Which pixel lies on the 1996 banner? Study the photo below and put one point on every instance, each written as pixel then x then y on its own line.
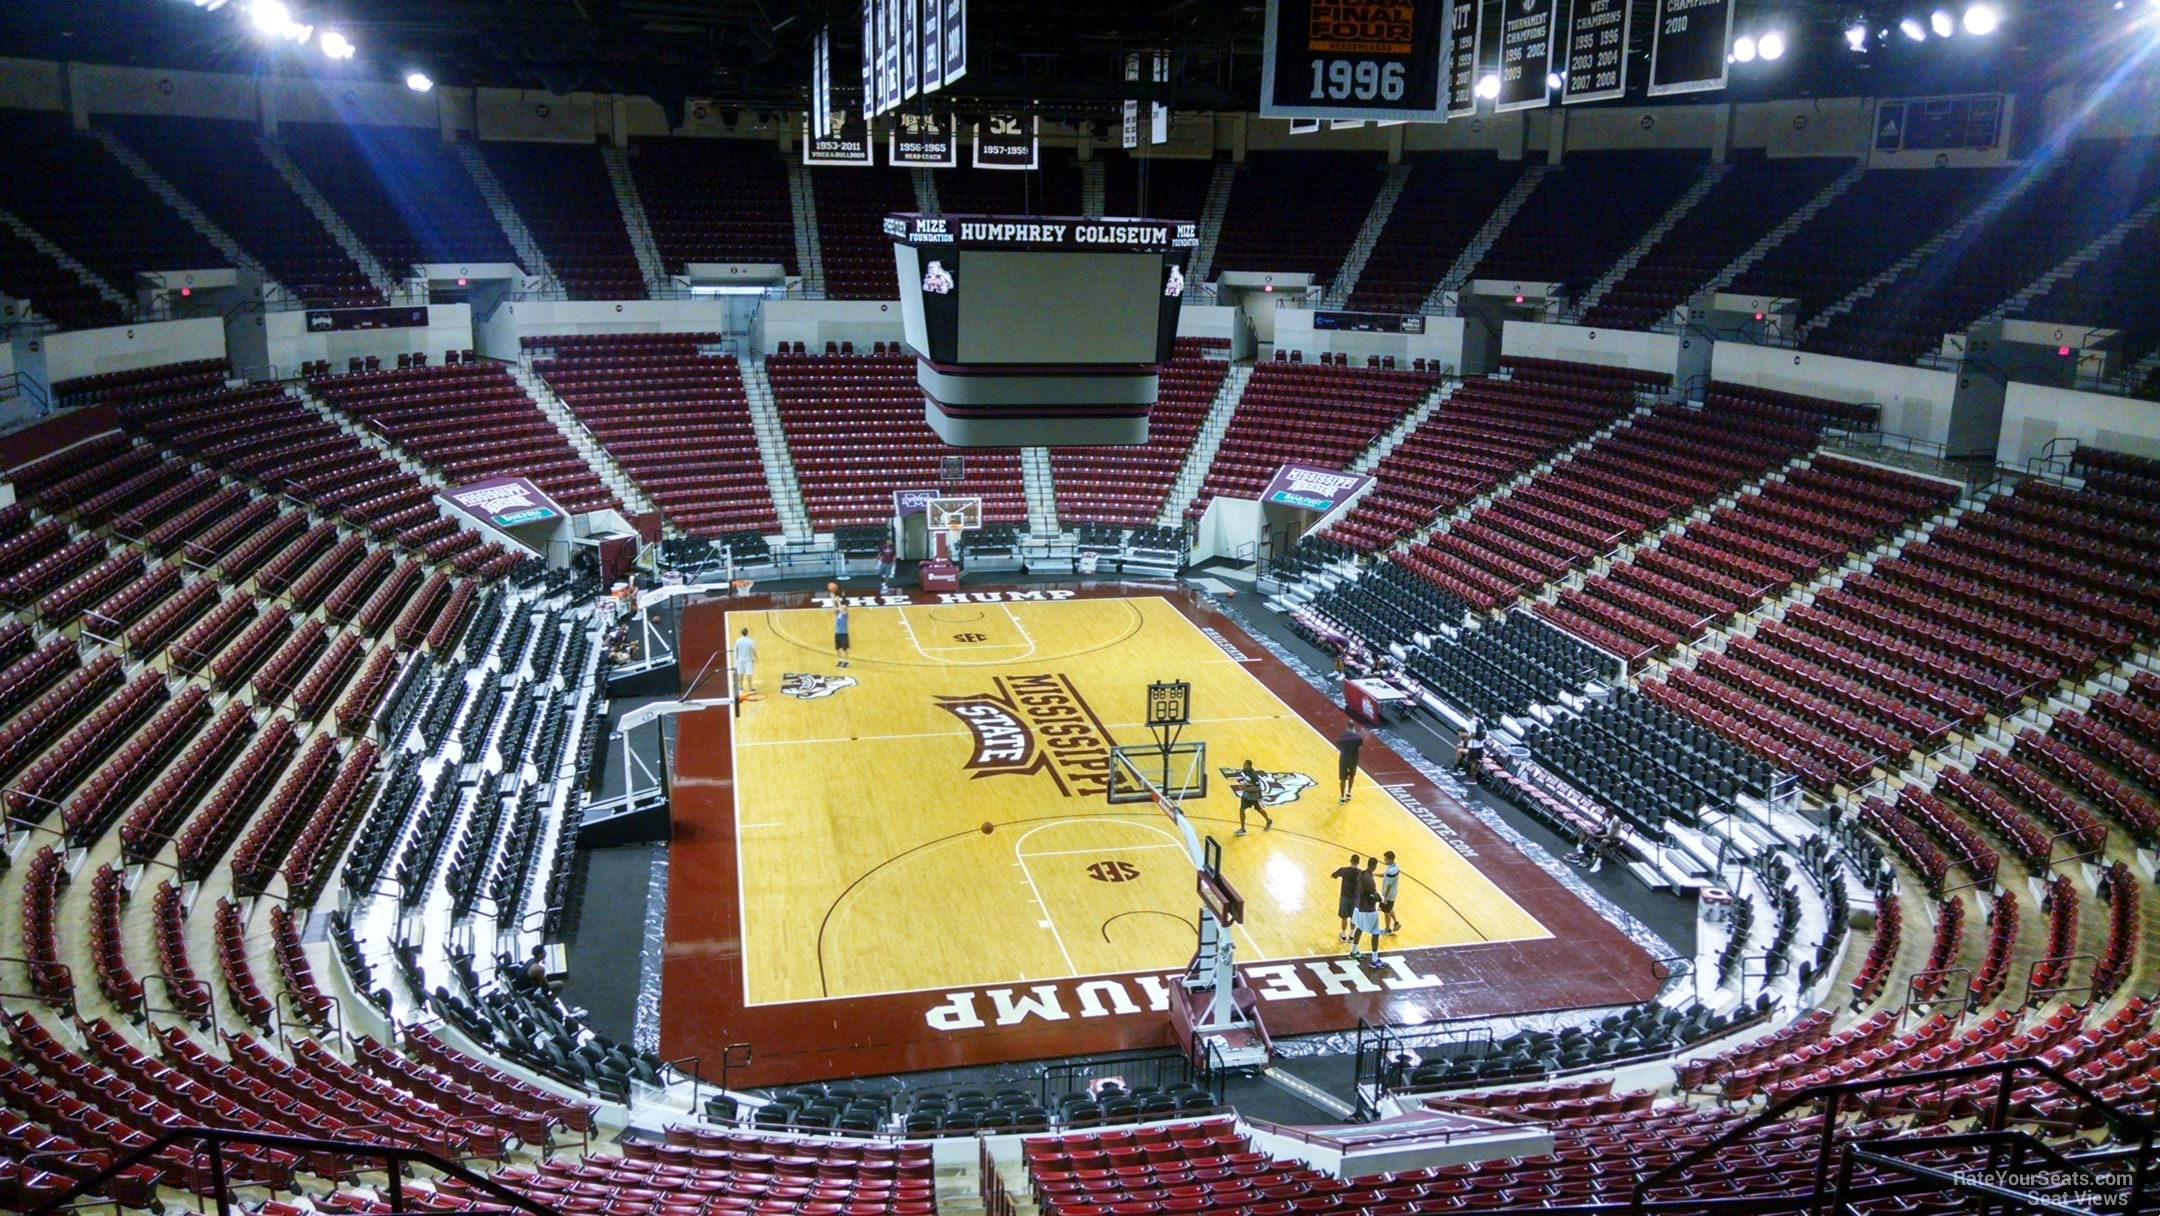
pixel 1358 61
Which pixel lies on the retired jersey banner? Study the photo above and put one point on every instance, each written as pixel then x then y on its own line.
pixel 927 141
pixel 1688 46
pixel 953 25
pixel 1007 140
pixel 505 502
pixel 847 144
pixel 1525 54
pixel 1594 54
pixel 1333 60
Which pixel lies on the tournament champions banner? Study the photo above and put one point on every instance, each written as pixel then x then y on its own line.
pixel 1688 47
pixel 1007 140
pixel 1526 51
pixel 1323 491
pixel 1355 61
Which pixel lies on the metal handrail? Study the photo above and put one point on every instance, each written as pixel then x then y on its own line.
pixel 214 1139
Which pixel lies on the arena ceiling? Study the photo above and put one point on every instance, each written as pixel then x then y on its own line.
pixel 1066 55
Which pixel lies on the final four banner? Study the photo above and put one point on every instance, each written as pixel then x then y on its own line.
pixel 1006 140
pixel 1334 60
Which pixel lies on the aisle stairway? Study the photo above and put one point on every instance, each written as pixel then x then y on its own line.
pixel 635 222
pixel 780 477
pixel 1205 445
pixel 384 279
pixel 1361 248
pixel 530 257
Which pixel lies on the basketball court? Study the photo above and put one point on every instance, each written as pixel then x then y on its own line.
pixel 921 846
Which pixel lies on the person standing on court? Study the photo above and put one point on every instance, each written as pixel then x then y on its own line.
pixel 1346 895
pixel 1390 879
pixel 1249 792
pixel 839 631
pixel 886 560
pixel 1346 750
pixel 1365 916
pixel 745 664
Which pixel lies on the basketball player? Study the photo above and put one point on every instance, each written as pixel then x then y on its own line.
pixel 1346 896
pixel 1249 792
pixel 1390 878
pixel 839 632
pixel 1346 750
pixel 745 664
pixel 1365 915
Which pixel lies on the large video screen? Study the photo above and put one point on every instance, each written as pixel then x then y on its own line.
pixel 1047 307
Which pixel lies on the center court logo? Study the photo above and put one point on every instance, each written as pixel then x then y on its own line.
pixel 1276 789
pixel 804 686
pixel 1027 725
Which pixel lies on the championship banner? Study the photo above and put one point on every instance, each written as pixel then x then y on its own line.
pixel 955 31
pixel 889 57
pixel 821 85
pixel 1525 54
pixel 1004 140
pixel 848 143
pixel 504 502
pixel 1688 47
pixel 1324 491
pixel 1465 23
pixel 869 60
pixel 933 45
pixel 1159 113
pixel 1595 54
pixel 1132 105
pixel 910 48
pixel 926 141
pixel 1333 60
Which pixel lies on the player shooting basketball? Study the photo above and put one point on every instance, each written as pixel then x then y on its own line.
pixel 1250 791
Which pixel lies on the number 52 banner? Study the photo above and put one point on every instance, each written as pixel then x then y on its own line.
pixel 1370 61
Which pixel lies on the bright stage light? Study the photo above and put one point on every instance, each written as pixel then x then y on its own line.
pixel 1488 86
pixel 337 46
pixel 1982 20
pixel 1771 46
pixel 418 82
pixel 1856 37
pixel 1912 29
pixel 1940 22
pixel 1553 80
pixel 269 16
pixel 1743 49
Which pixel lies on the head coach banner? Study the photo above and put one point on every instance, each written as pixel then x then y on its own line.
pixel 1595 53
pixel 1006 140
pixel 1333 60
pixel 1526 52
pixel 1688 46
pixel 928 141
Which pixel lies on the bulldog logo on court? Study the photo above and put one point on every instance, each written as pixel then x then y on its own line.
pixel 1035 724
pixel 1276 789
pixel 805 686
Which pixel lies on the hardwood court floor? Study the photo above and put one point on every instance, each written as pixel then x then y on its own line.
pixel 860 811
pixel 834 905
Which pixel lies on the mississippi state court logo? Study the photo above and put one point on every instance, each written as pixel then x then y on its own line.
pixel 1027 725
pixel 937 280
pixel 806 686
pixel 1276 789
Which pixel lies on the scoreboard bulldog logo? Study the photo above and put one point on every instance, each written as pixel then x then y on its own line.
pixel 1176 285
pixel 1040 724
pixel 1276 788
pixel 937 280
pixel 805 686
